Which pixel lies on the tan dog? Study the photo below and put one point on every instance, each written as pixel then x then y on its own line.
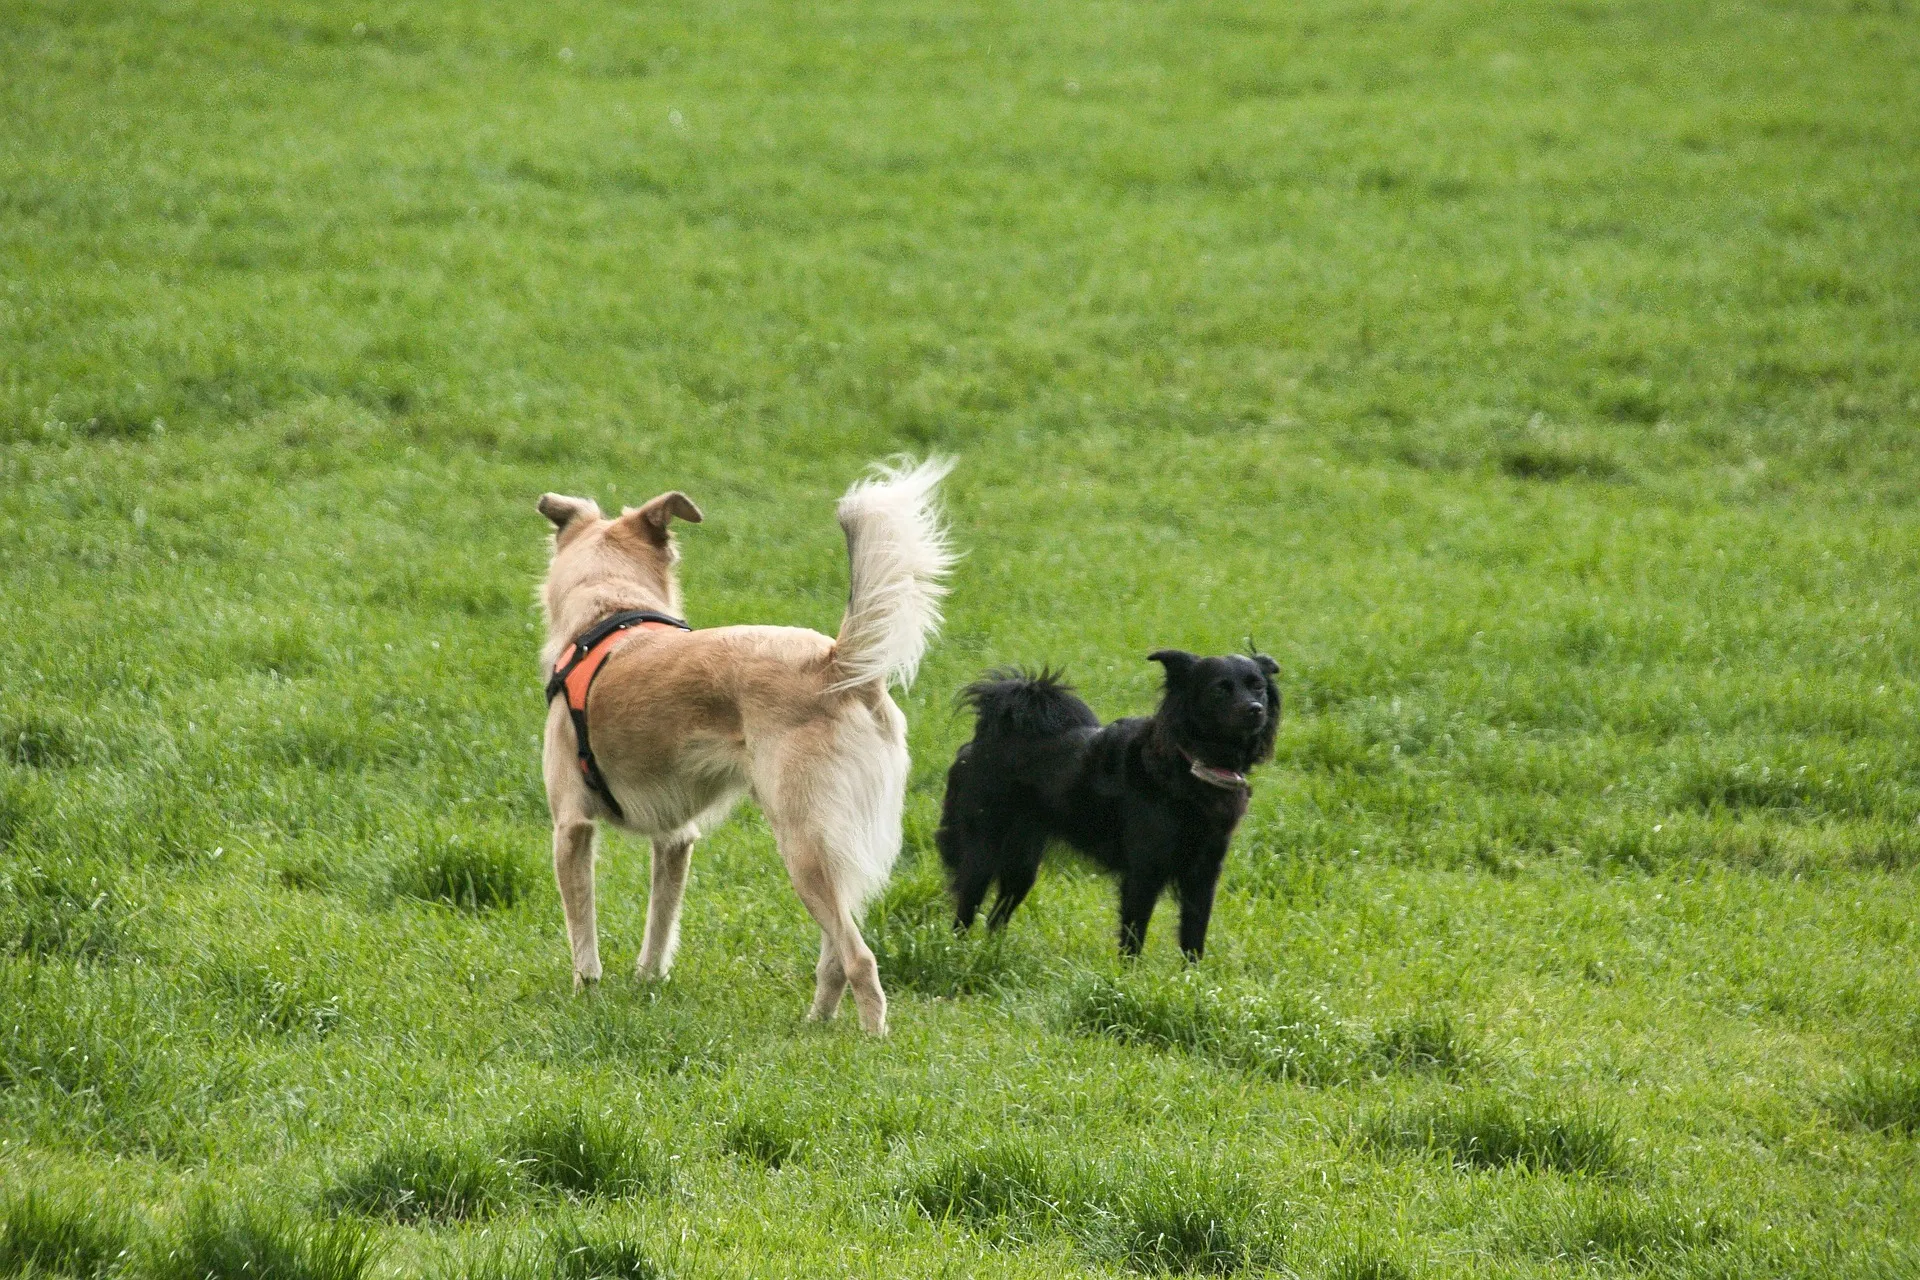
pixel 682 723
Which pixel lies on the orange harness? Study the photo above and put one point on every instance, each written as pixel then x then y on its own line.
pixel 573 675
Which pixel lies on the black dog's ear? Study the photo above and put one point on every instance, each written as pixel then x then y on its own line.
pixel 1178 662
pixel 1266 664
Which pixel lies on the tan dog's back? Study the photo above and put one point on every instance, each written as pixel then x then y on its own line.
pixel 665 691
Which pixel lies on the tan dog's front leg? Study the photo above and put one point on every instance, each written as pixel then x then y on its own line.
pixel 671 855
pixel 573 868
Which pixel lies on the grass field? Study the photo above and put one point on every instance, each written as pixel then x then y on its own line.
pixel 1538 382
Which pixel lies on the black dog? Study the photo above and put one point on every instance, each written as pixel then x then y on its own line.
pixel 1154 799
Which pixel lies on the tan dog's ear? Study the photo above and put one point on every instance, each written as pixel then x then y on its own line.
pixel 563 511
pixel 658 512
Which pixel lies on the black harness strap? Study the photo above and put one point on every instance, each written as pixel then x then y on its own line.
pixel 576 692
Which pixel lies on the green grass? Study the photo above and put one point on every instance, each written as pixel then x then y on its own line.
pixel 913 940
pixel 67 909
pixel 1539 383
pixel 1882 1100
pixel 255 1242
pixel 583 1154
pixel 418 1179
pixel 1252 1032
pixel 1009 1185
pixel 1147 1214
pixel 1190 1219
pixel 1478 1131
pixel 1637 1232
pixel 1365 1264
pixel 477 874
pixel 1184 1012
pixel 768 1138
pixel 66 1235
pixel 578 1255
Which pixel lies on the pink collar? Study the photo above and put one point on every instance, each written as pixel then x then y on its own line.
pixel 1225 779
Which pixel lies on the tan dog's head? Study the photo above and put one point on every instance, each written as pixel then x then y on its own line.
pixel 601 565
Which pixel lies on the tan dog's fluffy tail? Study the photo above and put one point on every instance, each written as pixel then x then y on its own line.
pixel 899 554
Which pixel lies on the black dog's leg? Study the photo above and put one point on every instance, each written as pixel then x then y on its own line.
pixel 970 886
pixel 1196 907
pixel 1019 864
pixel 1138 894
pixel 964 847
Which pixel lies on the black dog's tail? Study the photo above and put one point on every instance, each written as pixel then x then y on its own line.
pixel 1010 703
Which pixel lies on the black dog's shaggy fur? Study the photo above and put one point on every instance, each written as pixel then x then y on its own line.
pixel 1154 799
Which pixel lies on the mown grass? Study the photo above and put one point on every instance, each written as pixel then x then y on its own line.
pixel 1538 383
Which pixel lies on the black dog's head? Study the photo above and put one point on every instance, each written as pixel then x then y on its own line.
pixel 1226 710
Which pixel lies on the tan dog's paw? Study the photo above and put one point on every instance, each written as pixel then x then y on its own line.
pixel 583 982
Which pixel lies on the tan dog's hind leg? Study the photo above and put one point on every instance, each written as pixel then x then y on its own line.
pixel 671 855
pixel 573 868
pixel 845 959
pixel 829 981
